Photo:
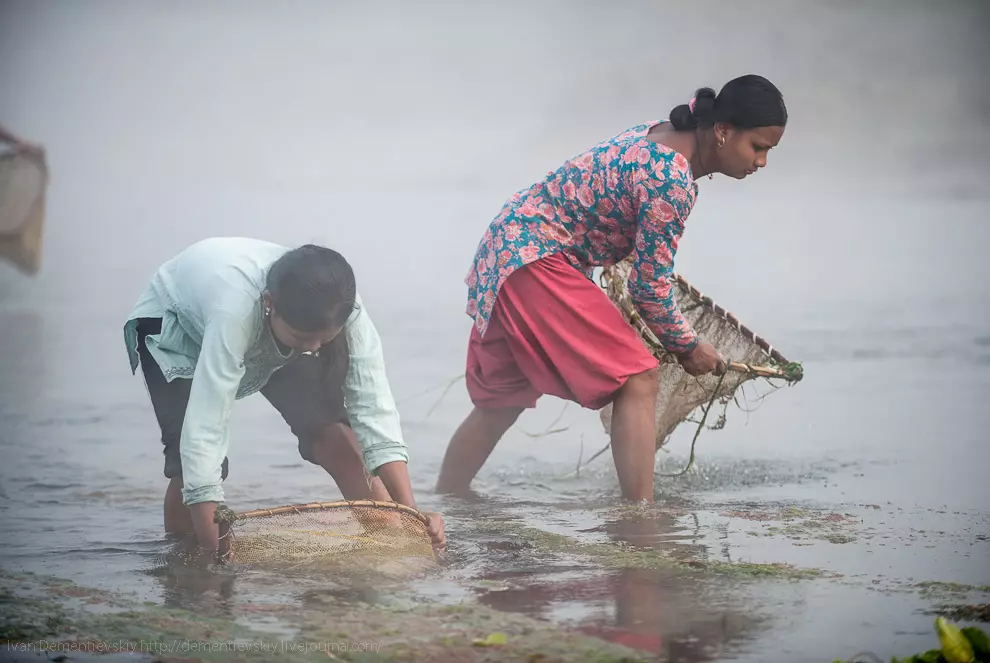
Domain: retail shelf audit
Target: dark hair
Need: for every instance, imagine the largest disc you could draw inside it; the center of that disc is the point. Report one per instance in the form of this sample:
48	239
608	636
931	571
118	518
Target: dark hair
746	102
312	288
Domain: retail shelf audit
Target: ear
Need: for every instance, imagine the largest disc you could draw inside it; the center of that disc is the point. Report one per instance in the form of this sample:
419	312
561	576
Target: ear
267	299
723	132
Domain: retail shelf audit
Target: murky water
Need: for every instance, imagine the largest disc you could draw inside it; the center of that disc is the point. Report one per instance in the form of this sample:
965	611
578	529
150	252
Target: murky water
394	133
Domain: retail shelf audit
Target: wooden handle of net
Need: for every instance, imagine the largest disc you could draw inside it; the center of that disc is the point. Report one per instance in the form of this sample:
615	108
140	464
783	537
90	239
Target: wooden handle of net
788	372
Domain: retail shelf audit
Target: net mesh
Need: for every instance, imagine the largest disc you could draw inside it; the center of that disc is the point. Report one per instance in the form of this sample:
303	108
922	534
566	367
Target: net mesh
23	181
681	394
306	534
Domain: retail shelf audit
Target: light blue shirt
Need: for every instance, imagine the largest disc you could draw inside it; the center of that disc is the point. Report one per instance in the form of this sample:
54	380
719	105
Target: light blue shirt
210	300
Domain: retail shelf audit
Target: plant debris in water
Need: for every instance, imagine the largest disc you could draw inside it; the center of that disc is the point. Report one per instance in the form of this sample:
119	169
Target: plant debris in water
615	555
800	524
25	618
966	645
936	588
964	612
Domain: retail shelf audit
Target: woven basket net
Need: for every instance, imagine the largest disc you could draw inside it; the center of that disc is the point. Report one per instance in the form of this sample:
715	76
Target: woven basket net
325	532
680	394
23	182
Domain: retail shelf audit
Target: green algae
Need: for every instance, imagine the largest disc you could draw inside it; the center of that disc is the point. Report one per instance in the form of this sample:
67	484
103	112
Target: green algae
937	588
29	617
32	611
799	524
618	555
963	612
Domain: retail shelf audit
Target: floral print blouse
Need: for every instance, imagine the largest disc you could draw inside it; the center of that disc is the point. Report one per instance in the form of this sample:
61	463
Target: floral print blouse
625	196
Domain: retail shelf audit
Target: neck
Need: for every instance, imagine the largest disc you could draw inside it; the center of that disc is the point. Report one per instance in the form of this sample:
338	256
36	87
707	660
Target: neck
704	159
283	349
697	146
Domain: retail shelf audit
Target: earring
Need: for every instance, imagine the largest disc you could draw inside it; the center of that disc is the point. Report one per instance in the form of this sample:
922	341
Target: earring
268	311
721	142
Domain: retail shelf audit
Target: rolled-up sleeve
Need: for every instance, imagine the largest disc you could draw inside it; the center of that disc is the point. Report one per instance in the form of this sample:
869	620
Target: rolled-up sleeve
368	397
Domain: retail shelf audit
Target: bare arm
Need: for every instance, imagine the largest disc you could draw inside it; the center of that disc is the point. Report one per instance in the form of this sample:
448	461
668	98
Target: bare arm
395	476
375	419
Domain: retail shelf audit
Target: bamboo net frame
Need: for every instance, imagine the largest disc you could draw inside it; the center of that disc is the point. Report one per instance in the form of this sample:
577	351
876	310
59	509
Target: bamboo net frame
322	506
297	534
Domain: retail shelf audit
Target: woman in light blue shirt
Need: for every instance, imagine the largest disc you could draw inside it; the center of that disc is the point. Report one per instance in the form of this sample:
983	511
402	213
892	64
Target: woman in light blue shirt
228	317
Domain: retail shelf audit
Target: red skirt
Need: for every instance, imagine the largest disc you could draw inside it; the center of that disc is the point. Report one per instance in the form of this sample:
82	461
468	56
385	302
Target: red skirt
553	332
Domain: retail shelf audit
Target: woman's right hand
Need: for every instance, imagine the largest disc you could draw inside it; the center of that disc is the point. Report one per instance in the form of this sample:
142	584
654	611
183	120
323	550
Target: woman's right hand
702	359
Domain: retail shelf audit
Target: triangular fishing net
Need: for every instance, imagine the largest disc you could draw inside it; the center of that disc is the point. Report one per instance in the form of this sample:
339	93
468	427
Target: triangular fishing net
325	532
749	357
23	181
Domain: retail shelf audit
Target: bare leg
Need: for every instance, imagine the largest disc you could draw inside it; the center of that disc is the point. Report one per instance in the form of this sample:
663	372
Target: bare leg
471	445
337	451
177	518
634	437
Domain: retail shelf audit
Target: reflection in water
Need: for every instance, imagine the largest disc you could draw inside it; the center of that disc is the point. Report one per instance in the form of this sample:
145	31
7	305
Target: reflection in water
663	610
23	372
227	591
23	366
659	530
204	591
661	614
189	585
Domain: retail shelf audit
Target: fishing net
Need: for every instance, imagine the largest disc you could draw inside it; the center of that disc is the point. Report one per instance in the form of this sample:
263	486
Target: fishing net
324	532
23	181
748	356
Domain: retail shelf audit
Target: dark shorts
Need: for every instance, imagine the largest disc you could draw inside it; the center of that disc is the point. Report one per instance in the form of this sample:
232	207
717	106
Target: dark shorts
308	392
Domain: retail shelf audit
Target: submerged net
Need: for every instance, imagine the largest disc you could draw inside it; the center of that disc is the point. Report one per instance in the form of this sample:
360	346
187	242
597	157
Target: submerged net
23	181
321	532
749	357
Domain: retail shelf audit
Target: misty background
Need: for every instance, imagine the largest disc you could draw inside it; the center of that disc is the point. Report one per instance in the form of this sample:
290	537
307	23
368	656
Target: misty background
394	132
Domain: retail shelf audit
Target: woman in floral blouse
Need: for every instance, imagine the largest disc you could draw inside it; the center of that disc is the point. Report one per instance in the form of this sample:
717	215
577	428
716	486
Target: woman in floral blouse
542	326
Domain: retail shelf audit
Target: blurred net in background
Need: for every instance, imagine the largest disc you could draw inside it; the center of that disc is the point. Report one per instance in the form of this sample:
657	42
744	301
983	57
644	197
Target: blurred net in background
23	182
749	357
322	532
